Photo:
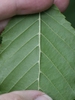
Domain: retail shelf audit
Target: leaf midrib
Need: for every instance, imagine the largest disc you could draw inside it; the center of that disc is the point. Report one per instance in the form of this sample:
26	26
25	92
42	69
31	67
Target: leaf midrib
39	50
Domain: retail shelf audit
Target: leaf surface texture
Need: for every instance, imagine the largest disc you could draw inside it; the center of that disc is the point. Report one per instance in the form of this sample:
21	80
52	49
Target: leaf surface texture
38	52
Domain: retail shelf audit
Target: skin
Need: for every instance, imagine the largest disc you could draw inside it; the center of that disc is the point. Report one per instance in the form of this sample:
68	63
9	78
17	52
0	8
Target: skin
19	7
9	8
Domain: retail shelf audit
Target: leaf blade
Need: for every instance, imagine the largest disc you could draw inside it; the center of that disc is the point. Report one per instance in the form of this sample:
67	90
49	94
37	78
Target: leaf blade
38	53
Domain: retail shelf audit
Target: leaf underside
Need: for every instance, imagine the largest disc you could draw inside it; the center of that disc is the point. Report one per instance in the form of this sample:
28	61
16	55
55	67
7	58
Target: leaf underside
38	52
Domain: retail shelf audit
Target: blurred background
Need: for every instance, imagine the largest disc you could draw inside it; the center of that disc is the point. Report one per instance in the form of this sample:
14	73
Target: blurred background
70	13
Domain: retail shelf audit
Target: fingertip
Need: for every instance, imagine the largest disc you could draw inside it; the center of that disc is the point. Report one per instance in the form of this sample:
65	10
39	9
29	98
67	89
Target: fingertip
46	4
32	95
32	6
61	4
22	7
21	95
28	94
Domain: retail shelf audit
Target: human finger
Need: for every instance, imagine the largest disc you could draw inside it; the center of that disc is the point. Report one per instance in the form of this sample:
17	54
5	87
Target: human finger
25	95
61	4
9	8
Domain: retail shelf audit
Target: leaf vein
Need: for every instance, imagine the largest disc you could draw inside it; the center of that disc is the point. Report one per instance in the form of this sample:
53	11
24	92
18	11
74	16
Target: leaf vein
19	36
53	85
58	70
59	23
58	51
20	63
30	84
23	76
58	36
12	26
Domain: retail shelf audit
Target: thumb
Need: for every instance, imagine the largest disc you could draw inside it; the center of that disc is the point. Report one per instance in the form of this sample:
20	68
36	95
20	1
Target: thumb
25	95
9	8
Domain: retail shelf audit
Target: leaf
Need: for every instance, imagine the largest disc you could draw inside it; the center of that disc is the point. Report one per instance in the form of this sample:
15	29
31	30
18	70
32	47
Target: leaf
38	52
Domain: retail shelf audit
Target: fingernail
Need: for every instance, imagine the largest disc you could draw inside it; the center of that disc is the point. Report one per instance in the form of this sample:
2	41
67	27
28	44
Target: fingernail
43	97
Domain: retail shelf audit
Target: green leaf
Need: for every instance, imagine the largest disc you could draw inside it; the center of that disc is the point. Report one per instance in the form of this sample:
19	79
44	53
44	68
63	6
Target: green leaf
38	52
